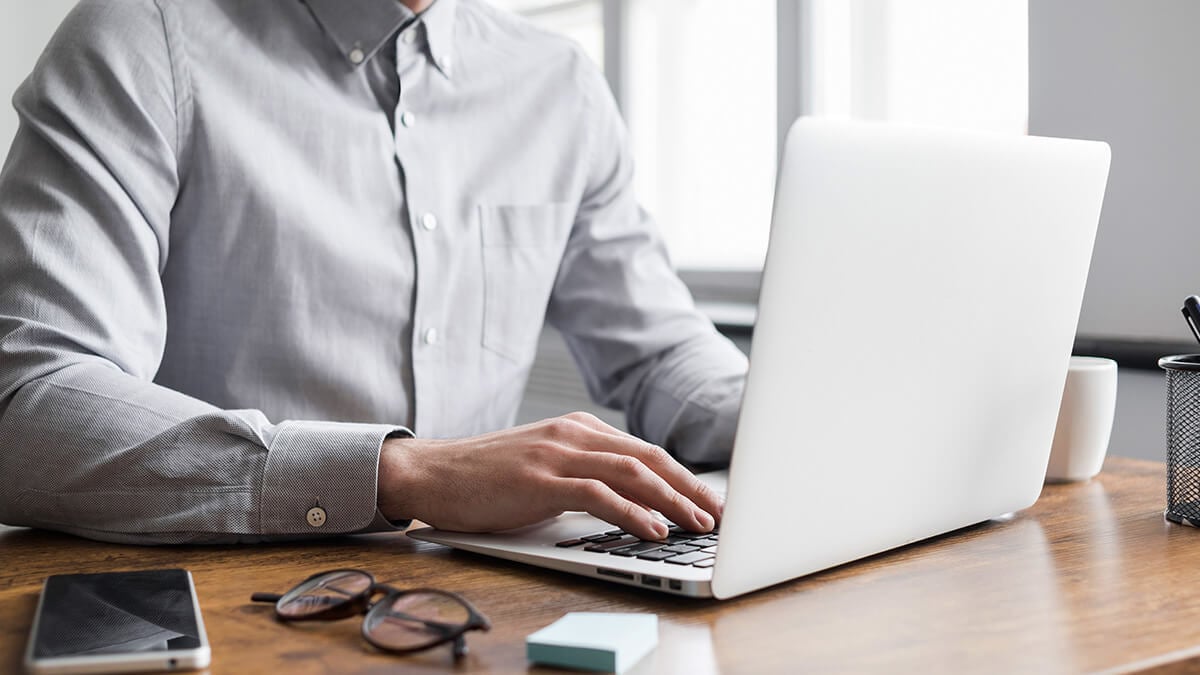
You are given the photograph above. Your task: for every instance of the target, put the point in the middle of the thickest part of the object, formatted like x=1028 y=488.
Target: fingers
x=682 y=481
x=637 y=483
x=600 y=500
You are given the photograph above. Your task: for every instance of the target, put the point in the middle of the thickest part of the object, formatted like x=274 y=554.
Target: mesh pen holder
x=1183 y=438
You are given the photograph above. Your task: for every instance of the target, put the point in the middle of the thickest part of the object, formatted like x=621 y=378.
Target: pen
x=1191 y=312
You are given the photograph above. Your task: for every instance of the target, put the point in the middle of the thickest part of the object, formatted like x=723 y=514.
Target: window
x=708 y=87
x=938 y=62
x=699 y=98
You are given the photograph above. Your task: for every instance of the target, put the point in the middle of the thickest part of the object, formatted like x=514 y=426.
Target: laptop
x=916 y=318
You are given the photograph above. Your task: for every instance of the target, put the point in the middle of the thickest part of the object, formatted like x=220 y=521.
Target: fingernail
x=660 y=530
x=706 y=521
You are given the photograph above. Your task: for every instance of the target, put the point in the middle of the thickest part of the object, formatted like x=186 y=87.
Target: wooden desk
x=1090 y=578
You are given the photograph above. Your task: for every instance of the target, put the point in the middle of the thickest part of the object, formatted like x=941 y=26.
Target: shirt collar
x=360 y=27
x=439 y=23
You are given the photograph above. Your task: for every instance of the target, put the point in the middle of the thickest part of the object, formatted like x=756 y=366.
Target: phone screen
x=117 y=613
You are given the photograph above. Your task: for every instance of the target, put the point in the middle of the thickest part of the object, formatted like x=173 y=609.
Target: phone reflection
x=121 y=613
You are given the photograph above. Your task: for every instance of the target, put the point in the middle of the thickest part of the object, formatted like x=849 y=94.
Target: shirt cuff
x=323 y=478
x=381 y=524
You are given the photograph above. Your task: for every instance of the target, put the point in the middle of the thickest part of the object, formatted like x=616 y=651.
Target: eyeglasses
x=401 y=621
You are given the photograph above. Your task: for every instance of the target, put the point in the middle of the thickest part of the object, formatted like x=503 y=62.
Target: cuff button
x=316 y=516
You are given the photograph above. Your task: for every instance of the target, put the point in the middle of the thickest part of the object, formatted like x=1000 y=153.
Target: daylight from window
x=699 y=87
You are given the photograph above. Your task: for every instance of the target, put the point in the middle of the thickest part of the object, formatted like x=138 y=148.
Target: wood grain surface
x=1089 y=579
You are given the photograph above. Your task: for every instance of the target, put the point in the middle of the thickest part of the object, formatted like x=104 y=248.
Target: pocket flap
x=526 y=225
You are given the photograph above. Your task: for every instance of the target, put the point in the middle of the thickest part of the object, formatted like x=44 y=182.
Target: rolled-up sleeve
x=629 y=321
x=89 y=444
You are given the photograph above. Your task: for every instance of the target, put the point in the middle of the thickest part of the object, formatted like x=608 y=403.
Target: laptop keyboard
x=679 y=548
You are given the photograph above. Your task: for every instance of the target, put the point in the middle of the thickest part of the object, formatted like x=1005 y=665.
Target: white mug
x=1085 y=420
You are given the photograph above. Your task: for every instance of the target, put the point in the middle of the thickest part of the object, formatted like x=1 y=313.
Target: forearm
x=688 y=398
x=90 y=450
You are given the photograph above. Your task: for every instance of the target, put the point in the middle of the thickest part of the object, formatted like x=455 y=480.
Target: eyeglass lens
x=323 y=592
x=415 y=620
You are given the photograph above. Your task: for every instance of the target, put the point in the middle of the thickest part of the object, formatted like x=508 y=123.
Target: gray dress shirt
x=221 y=218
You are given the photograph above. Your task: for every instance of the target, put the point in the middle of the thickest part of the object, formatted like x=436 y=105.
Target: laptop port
x=648 y=580
x=676 y=585
x=615 y=573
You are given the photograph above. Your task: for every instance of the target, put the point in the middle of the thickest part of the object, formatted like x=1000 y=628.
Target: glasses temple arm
x=265 y=597
x=446 y=629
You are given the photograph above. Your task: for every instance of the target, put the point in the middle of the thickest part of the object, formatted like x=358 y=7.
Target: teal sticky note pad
x=596 y=641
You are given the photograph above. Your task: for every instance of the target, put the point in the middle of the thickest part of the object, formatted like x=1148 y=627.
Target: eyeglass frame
x=361 y=603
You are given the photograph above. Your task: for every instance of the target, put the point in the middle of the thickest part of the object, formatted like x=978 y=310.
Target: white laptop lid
x=917 y=314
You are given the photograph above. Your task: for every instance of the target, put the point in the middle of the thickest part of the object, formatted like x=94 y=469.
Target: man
x=220 y=217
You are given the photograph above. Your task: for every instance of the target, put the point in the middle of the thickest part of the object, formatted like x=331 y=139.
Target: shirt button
x=357 y=56
x=316 y=516
x=429 y=222
x=431 y=336
x=409 y=36
x=408 y=119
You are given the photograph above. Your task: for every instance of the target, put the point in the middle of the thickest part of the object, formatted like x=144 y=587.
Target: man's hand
x=521 y=476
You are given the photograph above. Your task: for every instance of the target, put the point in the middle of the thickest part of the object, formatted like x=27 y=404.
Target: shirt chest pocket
x=522 y=248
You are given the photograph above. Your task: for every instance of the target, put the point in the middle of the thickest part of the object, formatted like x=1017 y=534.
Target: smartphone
x=118 y=622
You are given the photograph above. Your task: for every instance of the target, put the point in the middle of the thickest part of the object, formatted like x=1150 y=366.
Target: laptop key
x=705 y=563
x=682 y=548
x=689 y=558
x=660 y=554
x=637 y=549
x=707 y=541
x=616 y=532
x=570 y=542
x=600 y=538
x=617 y=542
x=710 y=549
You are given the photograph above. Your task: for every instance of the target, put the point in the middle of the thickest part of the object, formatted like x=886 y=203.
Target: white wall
x=1125 y=72
x=25 y=27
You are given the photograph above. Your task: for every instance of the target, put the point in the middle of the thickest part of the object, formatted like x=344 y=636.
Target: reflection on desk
x=1090 y=578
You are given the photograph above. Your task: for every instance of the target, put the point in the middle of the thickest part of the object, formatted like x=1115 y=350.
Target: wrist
x=399 y=475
